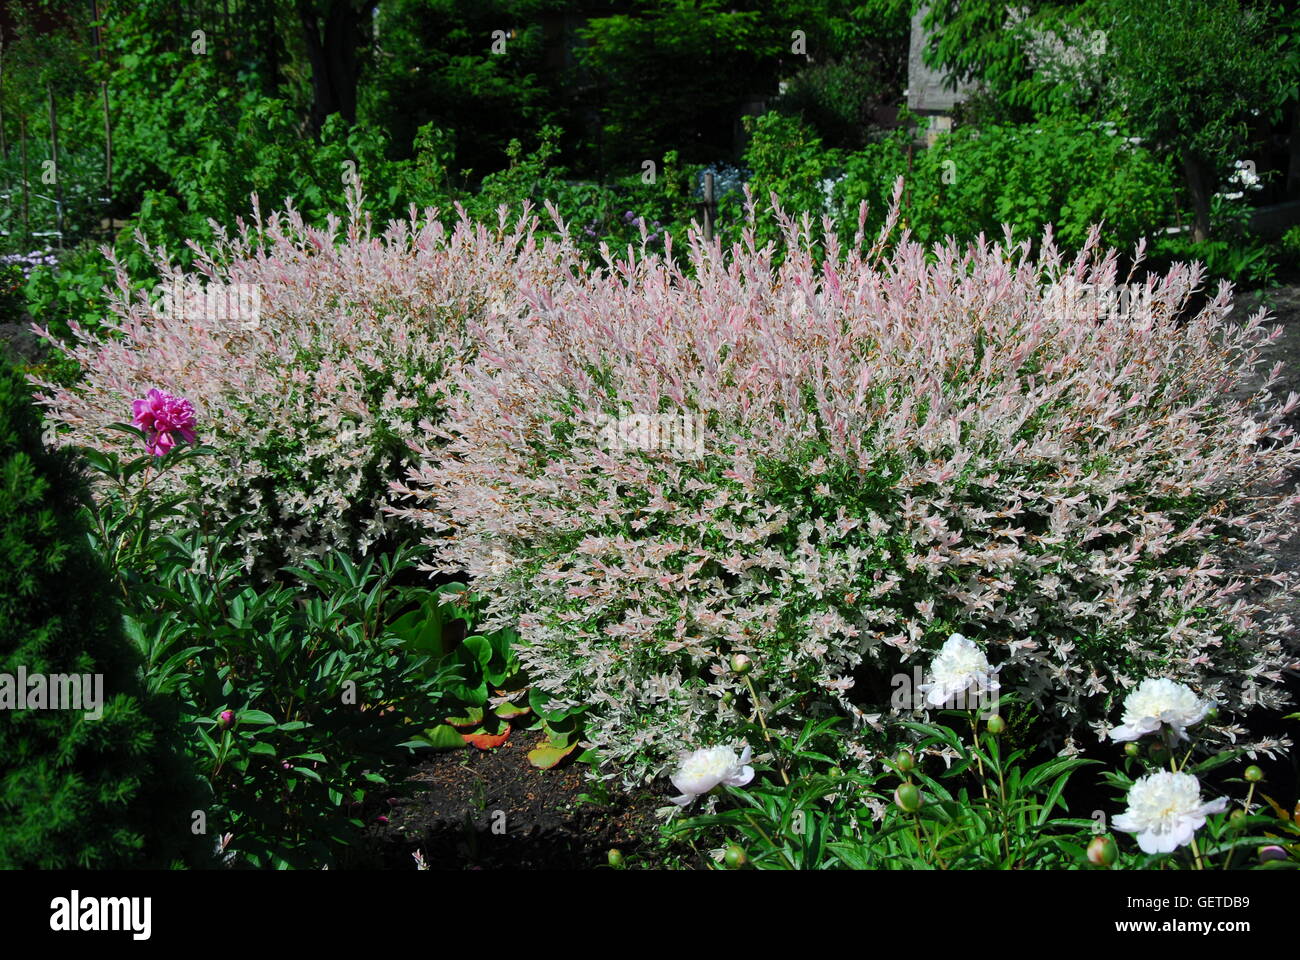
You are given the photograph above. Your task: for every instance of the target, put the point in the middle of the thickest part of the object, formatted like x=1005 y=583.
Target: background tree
x=1190 y=74
x=334 y=31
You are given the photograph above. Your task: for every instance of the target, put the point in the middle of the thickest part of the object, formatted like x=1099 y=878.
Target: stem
x=780 y=767
x=762 y=834
x=934 y=850
x=975 y=741
x=1196 y=850
x=1002 y=809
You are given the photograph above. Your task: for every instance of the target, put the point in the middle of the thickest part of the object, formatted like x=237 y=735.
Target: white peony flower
x=959 y=666
x=1158 y=702
x=706 y=768
x=1250 y=432
x=1165 y=810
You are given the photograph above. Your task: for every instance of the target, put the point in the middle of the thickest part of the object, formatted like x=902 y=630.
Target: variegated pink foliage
x=311 y=406
x=898 y=445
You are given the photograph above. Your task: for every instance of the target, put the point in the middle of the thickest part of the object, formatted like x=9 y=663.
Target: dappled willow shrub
x=309 y=405
x=897 y=446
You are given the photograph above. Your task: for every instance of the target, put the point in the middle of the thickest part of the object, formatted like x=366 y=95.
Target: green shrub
x=75 y=790
x=1065 y=172
x=297 y=702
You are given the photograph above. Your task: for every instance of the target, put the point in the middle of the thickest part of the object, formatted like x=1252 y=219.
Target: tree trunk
x=4 y=144
x=108 y=119
x=22 y=145
x=1293 y=159
x=1200 y=183
x=54 y=155
x=332 y=42
x=269 y=45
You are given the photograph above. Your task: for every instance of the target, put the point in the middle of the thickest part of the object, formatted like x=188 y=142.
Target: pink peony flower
x=162 y=416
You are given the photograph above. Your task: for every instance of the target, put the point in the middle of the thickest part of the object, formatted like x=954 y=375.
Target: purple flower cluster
x=28 y=262
x=632 y=220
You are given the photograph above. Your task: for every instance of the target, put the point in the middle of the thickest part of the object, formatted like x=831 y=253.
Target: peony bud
x=904 y=762
x=997 y=726
x=1102 y=850
x=1236 y=817
x=1132 y=749
x=615 y=858
x=1272 y=852
x=741 y=664
x=908 y=797
x=735 y=856
x=226 y=718
x=1254 y=774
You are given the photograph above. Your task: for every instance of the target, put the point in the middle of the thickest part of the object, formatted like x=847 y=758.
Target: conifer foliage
x=71 y=786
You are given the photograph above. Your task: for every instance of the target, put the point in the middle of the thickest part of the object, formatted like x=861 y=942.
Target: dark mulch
x=474 y=809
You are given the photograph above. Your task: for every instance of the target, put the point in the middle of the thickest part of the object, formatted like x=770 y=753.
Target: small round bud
x=615 y=858
x=1132 y=749
x=904 y=762
x=735 y=856
x=226 y=718
x=1212 y=713
x=1236 y=817
x=741 y=664
x=1254 y=774
x=908 y=797
x=1272 y=852
x=1102 y=850
x=997 y=726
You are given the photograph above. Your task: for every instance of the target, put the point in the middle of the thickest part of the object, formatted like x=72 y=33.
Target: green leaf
x=472 y=718
x=479 y=648
x=443 y=737
x=508 y=710
x=547 y=754
x=254 y=717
